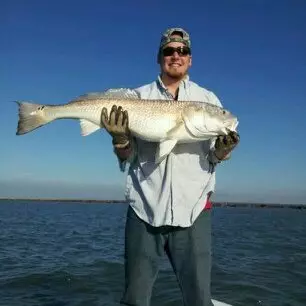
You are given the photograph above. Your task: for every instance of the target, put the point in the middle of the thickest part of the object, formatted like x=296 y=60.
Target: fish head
x=208 y=120
x=228 y=122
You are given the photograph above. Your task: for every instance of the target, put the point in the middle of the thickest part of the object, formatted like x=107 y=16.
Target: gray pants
x=189 y=252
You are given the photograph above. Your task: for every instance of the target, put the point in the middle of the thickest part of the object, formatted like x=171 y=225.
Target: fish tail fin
x=31 y=117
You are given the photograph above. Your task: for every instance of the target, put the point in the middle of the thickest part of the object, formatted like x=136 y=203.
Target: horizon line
x=122 y=201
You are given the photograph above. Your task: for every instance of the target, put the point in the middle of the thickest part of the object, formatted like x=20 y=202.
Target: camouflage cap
x=166 y=37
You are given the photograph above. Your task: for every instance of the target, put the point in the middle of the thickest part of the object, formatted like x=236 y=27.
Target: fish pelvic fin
x=164 y=148
x=31 y=117
x=87 y=127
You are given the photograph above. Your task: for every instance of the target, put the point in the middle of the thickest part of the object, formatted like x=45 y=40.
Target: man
x=169 y=210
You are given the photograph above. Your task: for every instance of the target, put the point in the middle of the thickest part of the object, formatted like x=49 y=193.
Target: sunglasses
x=182 y=51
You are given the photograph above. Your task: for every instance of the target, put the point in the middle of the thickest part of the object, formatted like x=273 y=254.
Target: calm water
x=72 y=254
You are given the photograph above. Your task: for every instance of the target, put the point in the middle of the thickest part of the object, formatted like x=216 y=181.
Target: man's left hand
x=225 y=144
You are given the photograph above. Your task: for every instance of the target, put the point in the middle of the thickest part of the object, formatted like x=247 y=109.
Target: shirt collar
x=184 y=82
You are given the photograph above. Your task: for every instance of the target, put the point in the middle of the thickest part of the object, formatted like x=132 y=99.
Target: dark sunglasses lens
x=168 y=51
x=180 y=50
x=185 y=51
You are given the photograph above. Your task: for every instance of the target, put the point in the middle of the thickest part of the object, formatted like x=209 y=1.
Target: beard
x=172 y=72
x=175 y=74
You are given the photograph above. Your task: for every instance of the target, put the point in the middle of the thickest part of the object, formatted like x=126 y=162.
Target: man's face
x=175 y=65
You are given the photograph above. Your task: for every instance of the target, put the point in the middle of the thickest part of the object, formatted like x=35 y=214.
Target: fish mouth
x=231 y=125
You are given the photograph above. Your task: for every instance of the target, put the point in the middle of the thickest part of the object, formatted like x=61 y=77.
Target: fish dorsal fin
x=87 y=127
x=115 y=93
x=126 y=93
x=164 y=148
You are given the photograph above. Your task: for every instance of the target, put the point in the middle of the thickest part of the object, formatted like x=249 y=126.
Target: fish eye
x=224 y=112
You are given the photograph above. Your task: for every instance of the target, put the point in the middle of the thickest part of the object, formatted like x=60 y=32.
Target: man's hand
x=225 y=145
x=117 y=125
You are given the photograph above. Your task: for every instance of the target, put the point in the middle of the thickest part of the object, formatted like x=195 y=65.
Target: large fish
x=163 y=121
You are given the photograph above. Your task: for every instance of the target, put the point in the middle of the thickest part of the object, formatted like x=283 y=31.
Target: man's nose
x=175 y=54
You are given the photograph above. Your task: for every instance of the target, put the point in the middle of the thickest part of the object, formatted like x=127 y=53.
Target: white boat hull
x=217 y=303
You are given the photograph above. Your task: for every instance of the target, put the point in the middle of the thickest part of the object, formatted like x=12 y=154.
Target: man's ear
x=190 y=61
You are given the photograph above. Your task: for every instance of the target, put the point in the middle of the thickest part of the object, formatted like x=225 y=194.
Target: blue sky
x=251 y=54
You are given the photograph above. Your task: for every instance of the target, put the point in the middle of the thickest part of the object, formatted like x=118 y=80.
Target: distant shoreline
x=215 y=204
x=65 y=200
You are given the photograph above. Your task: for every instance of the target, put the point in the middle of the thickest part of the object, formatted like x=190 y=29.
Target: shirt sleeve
x=126 y=155
x=213 y=99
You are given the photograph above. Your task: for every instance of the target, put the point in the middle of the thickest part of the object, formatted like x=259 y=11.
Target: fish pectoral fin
x=191 y=123
x=164 y=148
x=187 y=115
x=176 y=131
x=87 y=127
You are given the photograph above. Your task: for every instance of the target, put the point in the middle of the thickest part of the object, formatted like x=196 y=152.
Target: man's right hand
x=117 y=125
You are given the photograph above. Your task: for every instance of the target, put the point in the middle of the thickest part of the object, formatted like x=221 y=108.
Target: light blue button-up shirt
x=175 y=191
